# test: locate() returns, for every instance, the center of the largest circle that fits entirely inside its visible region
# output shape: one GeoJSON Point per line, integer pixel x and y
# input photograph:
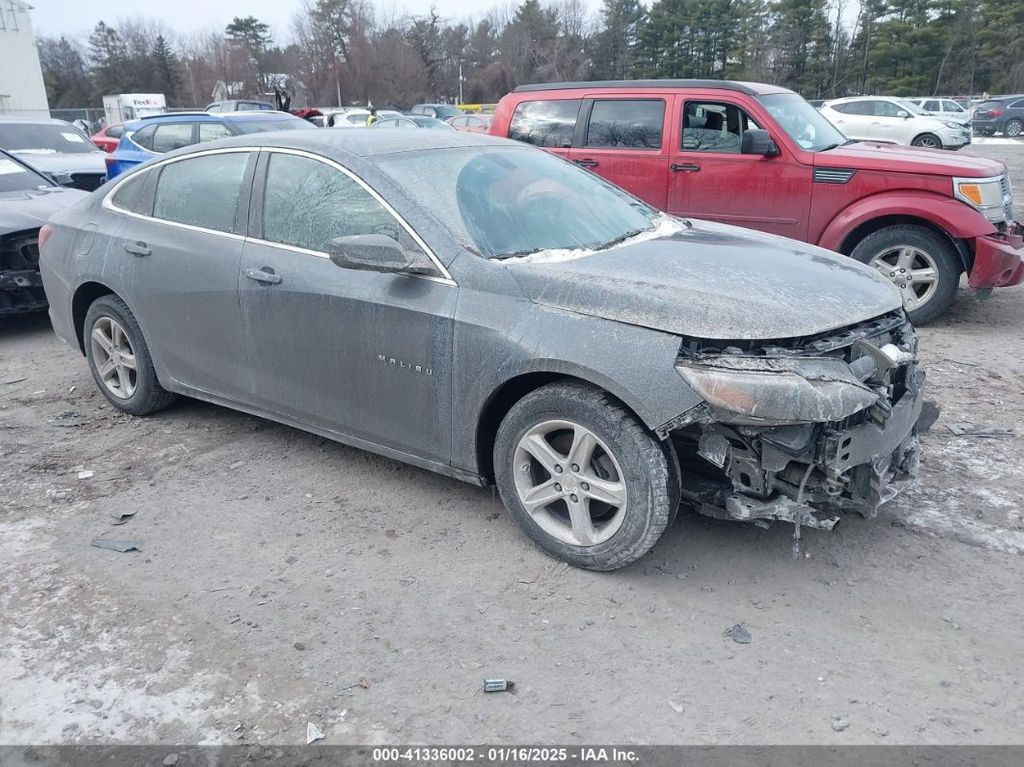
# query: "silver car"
{"type": "Point", "coordinates": [483, 309]}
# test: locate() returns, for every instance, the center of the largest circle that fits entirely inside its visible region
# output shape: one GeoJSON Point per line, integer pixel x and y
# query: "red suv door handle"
{"type": "Point", "coordinates": [691, 167]}
{"type": "Point", "coordinates": [586, 163]}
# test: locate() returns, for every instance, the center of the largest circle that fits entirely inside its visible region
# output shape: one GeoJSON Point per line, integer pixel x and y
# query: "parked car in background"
{"type": "Point", "coordinates": [56, 148]}
{"type": "Point", "coordinates": [345, 117]}
{"type": "Point", "coordinates": [27, 199]}
{"type": "Point", "coordinates": [412, 121]}
{"type": "Point", "coordinates": [153, 136]}
{"type": "Point", "coordinates": [945, 108]}
{"type": "Point", "coordinates": [471, 123]}
{"type": "Point", "coordinates": [108, 138]}
{"type": "Point", "coordinates": [440, 111]}
{"type": "Point", "coordinates": [240, 105]}
{"type": "Point", "coordinates": [478, 308]}
{"type": "Point", "coordinates": [762, 157]}
{"type": "Point", "coordinates": [894, 121]}
{"type": "Point", "coordinates": [1001, 114]}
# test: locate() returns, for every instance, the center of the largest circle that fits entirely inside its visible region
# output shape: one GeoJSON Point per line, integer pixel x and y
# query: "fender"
{"type": "Point", "coordinates": [957, 219]}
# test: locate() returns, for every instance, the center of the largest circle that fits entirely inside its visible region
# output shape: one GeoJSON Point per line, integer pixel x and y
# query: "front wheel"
{"type": "Point", "coordinates": [923, 264]}
{"type": "Point", "coordinates": [928, 141]}
{"type": "Point", "coordinates": [1013, 128]}
{"type": "Point", "coordinates": [583, 478]}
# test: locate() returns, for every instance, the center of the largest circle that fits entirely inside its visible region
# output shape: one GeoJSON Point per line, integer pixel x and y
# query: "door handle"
{"type": "Point", "coordinates": [138, 249]}
{"type": "Point", "coordinates": [686, 167]}
{"type": "Point", "coordinates": [264, 275]}
{"type": "Point", "coordinates": [586, 163]}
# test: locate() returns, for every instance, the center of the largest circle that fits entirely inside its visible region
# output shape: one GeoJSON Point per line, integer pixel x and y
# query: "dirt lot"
{"type": "Point", "coordinates": [285, 579]}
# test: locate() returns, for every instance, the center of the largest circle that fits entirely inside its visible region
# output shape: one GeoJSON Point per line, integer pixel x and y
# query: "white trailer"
{"type": "Point", "coordinates": [123, 107]}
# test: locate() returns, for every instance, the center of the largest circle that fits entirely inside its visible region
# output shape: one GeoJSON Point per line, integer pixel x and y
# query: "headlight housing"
{"type": "Point", "coordinates": [992, 197]}
{"type": "Point", "coordinates": [953, 124]}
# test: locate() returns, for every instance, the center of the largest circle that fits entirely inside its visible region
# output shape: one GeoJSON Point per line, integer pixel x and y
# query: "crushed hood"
{"type": "Point", "coordinates": [712, 281]}
{"type": "Point", "coordinates": [30, 210]}
{"type": "Point", "coordinates": [56, 162]}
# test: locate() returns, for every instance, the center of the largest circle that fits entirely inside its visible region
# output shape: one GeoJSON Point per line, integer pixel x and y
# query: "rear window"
{"type": "Point", "coordinates": [171, 136]}
{"type": "Point", "coordinates": [628, 124]}
{"type": "Point", "coordinates": [990, 105]}
{"type": "Point", "coordinates": [545, 123]}
{"type": "Point", "coordinates": [855, 108]}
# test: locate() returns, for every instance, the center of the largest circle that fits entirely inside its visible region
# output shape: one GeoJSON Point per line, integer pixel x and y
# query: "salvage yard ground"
{"type": "Point", "coordinates": [285, 579]}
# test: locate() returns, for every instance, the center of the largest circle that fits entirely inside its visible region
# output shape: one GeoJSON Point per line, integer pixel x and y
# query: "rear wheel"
{"type": "Point", "coordinates": [1013, 127]}
{"type": "Point", "coordinates": [923, 264]}
{"type": "Point", "coordinates": [928, 141]}
{"type": "Point", "coordinates": [583, 478]}
{"type": "Point", "coordinates": [119, 358]}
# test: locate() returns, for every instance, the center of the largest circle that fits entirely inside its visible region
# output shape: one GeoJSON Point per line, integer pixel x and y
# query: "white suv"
{"type": "Point", "coordinates": [946, 108]}
{"type": "Point", "coordinates": [894, 121]}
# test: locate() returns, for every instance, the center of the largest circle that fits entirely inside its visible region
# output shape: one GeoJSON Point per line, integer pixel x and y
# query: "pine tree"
{"type": "Point", "coordinates": [165, 69]}
{"type": "Point", "coordinates": [108, 56]}
{"type": "Point", "coordinates": [615, 47]}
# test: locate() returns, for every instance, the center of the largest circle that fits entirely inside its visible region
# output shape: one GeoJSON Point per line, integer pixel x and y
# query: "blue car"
{"type": "Point", "coordinates": [153, 136]}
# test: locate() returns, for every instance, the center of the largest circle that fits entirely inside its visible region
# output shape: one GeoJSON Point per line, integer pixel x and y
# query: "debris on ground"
{"type": "Point", "coordinates": [930, 412]}
{"type": "Point", "coordinates": [122, 546]}
{"type": "Point", "coordinates": [979, 430]}
{"type": "Point", "coordinates": [15, 380]}
{"type": "Point", "coordinates": [170, 760]}
{"type": "Point", "coordinates": [738, 633]}
{"type": "Point", "coordinates": [85, 474]}
{"type": "Point", "coordinates": [299, 646]}
{"type": "Point", "coordinates": [68, 419]}
{"type": "Point", "coordinates": [839, 724]}
{"type": "Point", "coordinates": [677, 707]}
{"type": "Point", "coordinates": [498, 685]}
{"type": "Point", "coordinates": [313, 733]}
{"type": "Point", "coordinates": [120, 517]}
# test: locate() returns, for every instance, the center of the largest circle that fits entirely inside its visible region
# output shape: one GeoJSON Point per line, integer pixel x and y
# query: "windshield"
{"type": "Point", "coordinates": [805, 125]}
{"type": "Point", "coordinates": [265, 126]}
{"type": "Point", "coordinates": [442, 111]}
{"type": "Point", "coordinates": [44, 138]}
{"type": "Point", "coordinates": [510, 201]}
{"type": "Point", "coordinates": [15, 177]}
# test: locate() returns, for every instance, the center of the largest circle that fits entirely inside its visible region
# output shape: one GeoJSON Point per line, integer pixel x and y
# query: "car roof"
{"type": "Point", "coordinates": [753, 89]}
{"type": "Point", "coordinates": [174, 117]}
{"type": "Point", "coordinates": [339, 144]}
{"type": "Point", "coordinates": [32, 120]}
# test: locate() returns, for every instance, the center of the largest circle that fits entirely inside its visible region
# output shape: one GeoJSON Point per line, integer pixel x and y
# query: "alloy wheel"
{"type": "Point", "coordinates": [910, 269]}
{"type": "Point", "coordinates": [114, 357]}
{"type": "Point", "coordinates": [570, 483]}
{"type": "Point", "coordinates": [1014, 128]}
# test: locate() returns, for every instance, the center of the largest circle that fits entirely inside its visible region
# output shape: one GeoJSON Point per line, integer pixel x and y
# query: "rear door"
{"type": "Point", "coordinates": [710, 178]}
{"type": "Point", "coordinates": [854, 118]}
{"type": "Point", "coordinates": [623, 139]}
{"type": "Point", "coordinates": [179, 246]}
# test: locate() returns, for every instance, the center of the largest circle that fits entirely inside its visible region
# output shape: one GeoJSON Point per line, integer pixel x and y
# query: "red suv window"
{"type": "Point", "coordinates": [627, 124]}
{"type": "Point", "coordinates": [545, 123]}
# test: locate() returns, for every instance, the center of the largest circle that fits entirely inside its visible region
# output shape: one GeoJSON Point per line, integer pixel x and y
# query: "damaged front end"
{"type": "Point", "coordinates": [801, 429]}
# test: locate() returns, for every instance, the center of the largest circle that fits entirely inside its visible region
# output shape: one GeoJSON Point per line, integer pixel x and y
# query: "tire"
{"type": "Point", "coordinates": [136, 390]}
{"type": "Point", "coordinates": [623, 455]}
{"type": "Point", "coordinates": [884, 250]}
{"type": "Point", "coordinates": [1013, 128]}
{"type": "Point", "coordinates": [927, 140]}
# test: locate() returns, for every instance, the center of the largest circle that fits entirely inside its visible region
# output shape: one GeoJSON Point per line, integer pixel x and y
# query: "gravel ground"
{"type": "Point", "coordinates": [285, 579]}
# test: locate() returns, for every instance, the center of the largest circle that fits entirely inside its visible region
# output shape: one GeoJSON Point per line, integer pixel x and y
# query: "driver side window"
{"type": "Point", "coordinates": [307, 203]}
{"type": "Point", "coordinates": [714, 127]}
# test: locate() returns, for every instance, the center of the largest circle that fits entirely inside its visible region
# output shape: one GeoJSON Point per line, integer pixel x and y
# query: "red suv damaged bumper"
{"type": "Point", "coordinates": [999, 259]}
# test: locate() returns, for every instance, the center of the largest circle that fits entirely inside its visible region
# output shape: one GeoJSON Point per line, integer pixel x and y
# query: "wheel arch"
{"type": "Point", "coordinates": [869, 227]}
{"type": "Point", "coordinates": [85, 295]}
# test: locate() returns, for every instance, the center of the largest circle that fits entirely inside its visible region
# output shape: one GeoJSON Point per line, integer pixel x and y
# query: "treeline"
{"type": "Point", "coordinates": [343, 51]}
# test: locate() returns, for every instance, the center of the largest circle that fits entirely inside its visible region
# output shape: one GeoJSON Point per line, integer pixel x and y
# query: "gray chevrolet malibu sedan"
{"type": "Point", "coordinates": [483, 309]}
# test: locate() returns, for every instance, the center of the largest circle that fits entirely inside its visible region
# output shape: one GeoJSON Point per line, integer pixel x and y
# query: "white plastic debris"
{"type": "Point", "coordinates": [313, 733]}
{"type": "Point", "coordinates": [85, 474]}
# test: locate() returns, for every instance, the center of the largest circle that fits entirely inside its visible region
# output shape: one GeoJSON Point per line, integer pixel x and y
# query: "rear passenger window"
{"type": "Point", "coordinates": [628, 124]}
{"type": "Point", "coordinates": [144, 137]}
{"type": "Point", "coordinates": [212, 132]}
{"type": "Point", "coordinates": [171, 136]}
{"type": "Point", "coordinates": [856, 108]}
{"type": "Point", "coordinates": [129, 194]}
{"type": "Point", "coordinates": [202, 191]}
{"type": "Point", "coordinates": [545, 123]}
{"type": "Point", "coordinates": [714, 127]}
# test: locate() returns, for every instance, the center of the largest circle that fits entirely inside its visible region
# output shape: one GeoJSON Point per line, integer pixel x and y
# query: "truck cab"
{"type": "Point", "coordinates": [761, 157]}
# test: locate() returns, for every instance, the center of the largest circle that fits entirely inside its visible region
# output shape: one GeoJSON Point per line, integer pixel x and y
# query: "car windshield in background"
{"type": "Point", "coordinates": [15, 177]}
{"type": "Point", "coordinates": [913, 108]}
{"type": "Point", "coordinates": [265, 126]}
{"type": "Point", "coordinates": [510, 201]}
{"type": "Point", "coordinates": [443, 112]}
{"type": "Point", "coordinates": [804, 124]}
{"type": "Point", "coordinates": [44, 138]}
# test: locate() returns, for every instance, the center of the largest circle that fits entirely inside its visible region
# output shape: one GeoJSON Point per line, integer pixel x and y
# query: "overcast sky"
{"type": "Point", "coordinates": [78, 17]}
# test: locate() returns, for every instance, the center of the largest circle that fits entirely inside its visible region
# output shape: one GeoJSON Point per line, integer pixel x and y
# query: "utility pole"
{"type": "Point", "coordinates": [460, 83]}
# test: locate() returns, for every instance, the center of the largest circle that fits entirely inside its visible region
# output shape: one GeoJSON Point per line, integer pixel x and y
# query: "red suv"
{"type": "Point", "coordinates": [760, 156]}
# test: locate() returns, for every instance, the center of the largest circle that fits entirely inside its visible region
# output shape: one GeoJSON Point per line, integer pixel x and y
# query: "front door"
{"type": "Point", "coordinates": [181, 249]}
{"type": "Point", "coordinates": [887, 125]}
{"type": "Point", "coordinates": [710, 178]}
{"type": "Point", "coordinates": [623, 140]}
{"type": "Point", "coordinates": [363, 353]}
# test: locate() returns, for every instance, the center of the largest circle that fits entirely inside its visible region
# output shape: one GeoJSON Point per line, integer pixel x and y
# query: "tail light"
{"type": "Point", "coordinates": [44, 235]}
{"type": "Point", "coordinates": [997, 112]}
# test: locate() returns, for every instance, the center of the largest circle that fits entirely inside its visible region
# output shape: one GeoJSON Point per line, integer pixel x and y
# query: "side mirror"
{"type": "Point", "coordinates": [758, 141]}
{"type": "Point", "coordinates": [374, 253]}
{"type": "Point", "coordinates": [62, 179]}
{"type": "Point", "coordinates": [903, 113]}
